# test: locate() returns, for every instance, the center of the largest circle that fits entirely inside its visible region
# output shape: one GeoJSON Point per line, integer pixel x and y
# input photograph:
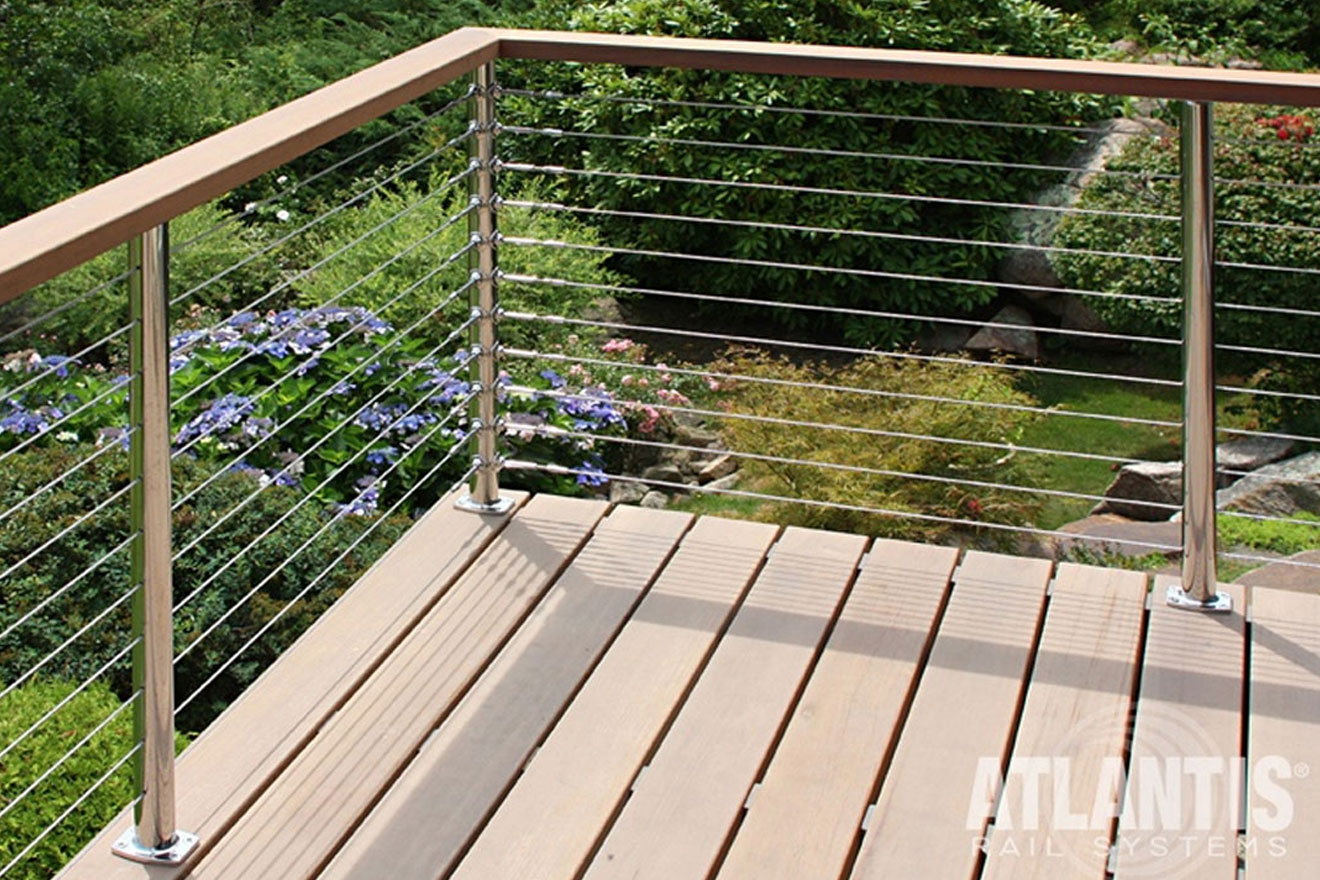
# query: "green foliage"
{"type": "Point", "coordinates": [382, 272]}
{"type": "Point", "coordinates": [94, 88]}
{"type": "Point", "coordinates": [77, 719]}
{"type": "Point", "coordinates": [1301, 532]}
{"type": "Point", "coordinates": [1250, 150]}
{"type": "Point", "coordinates": [905, 459]}
{"type": "Point", "coordinates": [216, 557]}
{"type": "Point", "coordinates": [1001, 26]}
{"type": "Point", "coordinates": [1221, 28]}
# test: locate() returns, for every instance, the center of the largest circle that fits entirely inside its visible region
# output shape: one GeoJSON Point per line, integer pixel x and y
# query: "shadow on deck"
{"type": "Point", "coordinates": [579, 691]}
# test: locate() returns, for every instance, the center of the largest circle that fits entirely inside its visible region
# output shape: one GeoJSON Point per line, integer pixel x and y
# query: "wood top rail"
{"type": "Point", "coordinates": [41, 246]}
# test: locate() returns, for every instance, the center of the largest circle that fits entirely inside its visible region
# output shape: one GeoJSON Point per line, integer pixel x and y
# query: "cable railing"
{"type": "Point", "coordinates": [538, 286]}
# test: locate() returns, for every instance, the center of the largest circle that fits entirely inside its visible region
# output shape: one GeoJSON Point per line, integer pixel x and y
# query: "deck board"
{"type": "Point", "coordinates": [1284, 735]}
{"type": "Point", "coordinates": [689, 797]}
{"type": "Point", "coordinates": [1076, 710]}
{"type": "Point", "coordinates": [808, 811]}
{"type": "Point", "coordinates": [549, 822]}
{"type": "Point", "coordinates": [237, 756]}
{"type": "Point", "coordinates": [470, 761]}
{"type": "Point", "coordinates": [580, 691]}
{"type": "Point", "coordinates": [1189, 708]}
{"type": "Point", "coordinates": [963, 711]}
{"type": "Point", "coordinates": [297, 823]}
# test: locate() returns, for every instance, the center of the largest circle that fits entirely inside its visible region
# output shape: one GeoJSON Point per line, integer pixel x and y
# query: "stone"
{"type": "Point", "coordinates": [944, 337]}
{"type": "Point", "coordinates": [694, 435]}
{"type": "Point", "coordinates": [604, 308]}
{"type": "Point", "coordinates": [1139, 487]}
{"type": "Point", "coordinates": [1279, 489]}
{"type": "Point", "coordinates": [664, 471]}
{"type": "Point", "coordinates": [1029, 265]}
{"type": "Point", "coordinates": [1110, 533]}
{"type": "Point", "coordinates": [626, 492]}
{"type": "Point", "coordinates": [1249, 454]}
{"type": "Point", "coordinates": [655, 500]}
{"type": "Point", "coordinates": [1286, 574]}
{"type": "Point", "coordinates": [681, 459]}
{"type": "Point", "coordinates": [1008, 339]}
{"type": "Point", "coordinates": [1077, 315]}
{"type": "Point", "coordinates": [729, 482]}
{"type": "Point", "coordinates": [720, 467]}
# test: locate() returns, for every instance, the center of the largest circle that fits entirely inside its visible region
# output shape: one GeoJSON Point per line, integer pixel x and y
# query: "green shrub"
{"type": "Point", "coordinates": [37, 753]}
{"type": "Point", "coordinates": [1300, 533]}
{"type": "Point", "coordinates": [1249, 148]}
{"type": "Point", "coordinates": [1000, 26]}
{"type": "Point", "coordinates": [903, 458]}
{"type": "Point", "coordinates": [1221, 28]}
{"type": "Point", "coordinates": [421, 248]}
{"type": "Point", "coordinates": [55, 510]}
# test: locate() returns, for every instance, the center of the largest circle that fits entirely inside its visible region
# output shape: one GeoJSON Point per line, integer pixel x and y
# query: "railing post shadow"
{"type": "Point", "coordinates": [1199, 587]}
{"type": "Point", "coordinates": [484, 426]}
{"type": "Point", "coordinates": [153, 839]}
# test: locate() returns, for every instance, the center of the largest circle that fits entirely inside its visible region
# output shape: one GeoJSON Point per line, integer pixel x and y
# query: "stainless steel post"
{"type": "Point", "coordinates": [484, 493]}
{"type": "Point", "coordinates": [154, 838]}
{"type": "Point", "coordinates": [1199, 575]}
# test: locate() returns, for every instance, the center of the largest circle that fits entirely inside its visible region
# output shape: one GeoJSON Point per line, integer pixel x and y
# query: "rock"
{"type": "Point", "coordinates": [604, 308]}
{"type": "Point", "coordinates": [1077, 315]}
{"type": "Point", "coordinates": [682, 460]}
{"type": "Point", "coordinates": [728, 482]}
{"type": "Point", "coordinates": [1033, 229]}
{"type": "Point", "coordinates": [690, 420]}
{"type": "Point", "coordinates": [1249, 454]}
{"type": "Point", "coordinates": [1139, 487]}
{"type": "Point", "coordinates": [623, 492]}
{"type": "Point", "coordinates": [717, 469]}
{"type": "Point", "coordinates": [1110, 533]}
{"type": "Point", "coordinates": [1244, 64]}
{"type": "Point", "coordinates": [694, 435]}
{"type": "Point", "coordinates": [1008, 339]}
{"type": "Point", "coordinates": [1279, 489]}
{"type": "Point", "coordinates": [664, 471]}
{"type": "Point", "coordinates": [1285, 576]}
{"type": "Point", "coordinates": [655, 500]}
{"type": "Point", "coordinates": [944, 337]}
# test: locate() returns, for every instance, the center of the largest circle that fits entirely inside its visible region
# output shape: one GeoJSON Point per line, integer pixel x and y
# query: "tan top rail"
{"type": "Point", "coordinates": [41, 246]}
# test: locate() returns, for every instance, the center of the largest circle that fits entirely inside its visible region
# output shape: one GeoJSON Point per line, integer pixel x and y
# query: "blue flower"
{"type": "Point", "coordinates": [555, 380]}
{"type": "Point", "coordinates": [221, 415]}
{"type": "Point", "coordinates": [59, 362]}
{"type": "Point", "coordinates": [593, 475]}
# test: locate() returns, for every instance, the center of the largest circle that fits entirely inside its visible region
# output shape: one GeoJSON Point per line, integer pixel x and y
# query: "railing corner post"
{"type": "Point", "coordinates": [1198, 589]}
{"type": "Point", "coordinates": [154, 838]}
{"type": "Point", "coordinates": [483, 495]}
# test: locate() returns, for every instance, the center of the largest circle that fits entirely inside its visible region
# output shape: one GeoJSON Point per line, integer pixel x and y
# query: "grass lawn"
{"type": "Point", "coordinates": [1120, 439]}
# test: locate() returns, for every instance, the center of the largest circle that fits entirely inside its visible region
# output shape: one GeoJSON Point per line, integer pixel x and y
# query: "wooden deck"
{"type": "Point", "coordinates": [575, 691]}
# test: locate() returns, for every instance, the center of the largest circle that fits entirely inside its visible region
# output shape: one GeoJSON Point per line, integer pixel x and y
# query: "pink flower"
{"type": "Point", "coordinates": [652, 419]}
{"type": "Point", "coordinates": [712, 383]}
{"type": "Point", "coordinates": [616, 345]}
{"type": "Point", "coordinates": [626, 380]}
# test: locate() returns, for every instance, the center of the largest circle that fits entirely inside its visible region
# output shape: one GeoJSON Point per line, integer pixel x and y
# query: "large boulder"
{"type": "Point", "coordinates": [1034, 229]}
{"type": "Point", "coordinates": [1249, 454]}
{"type": "Point", "coordinates": [1146, 490]}
{"type": "Point", "coordinates": [1280, 489]}
{"type": "Point", "coordinates": [1010, 331]}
